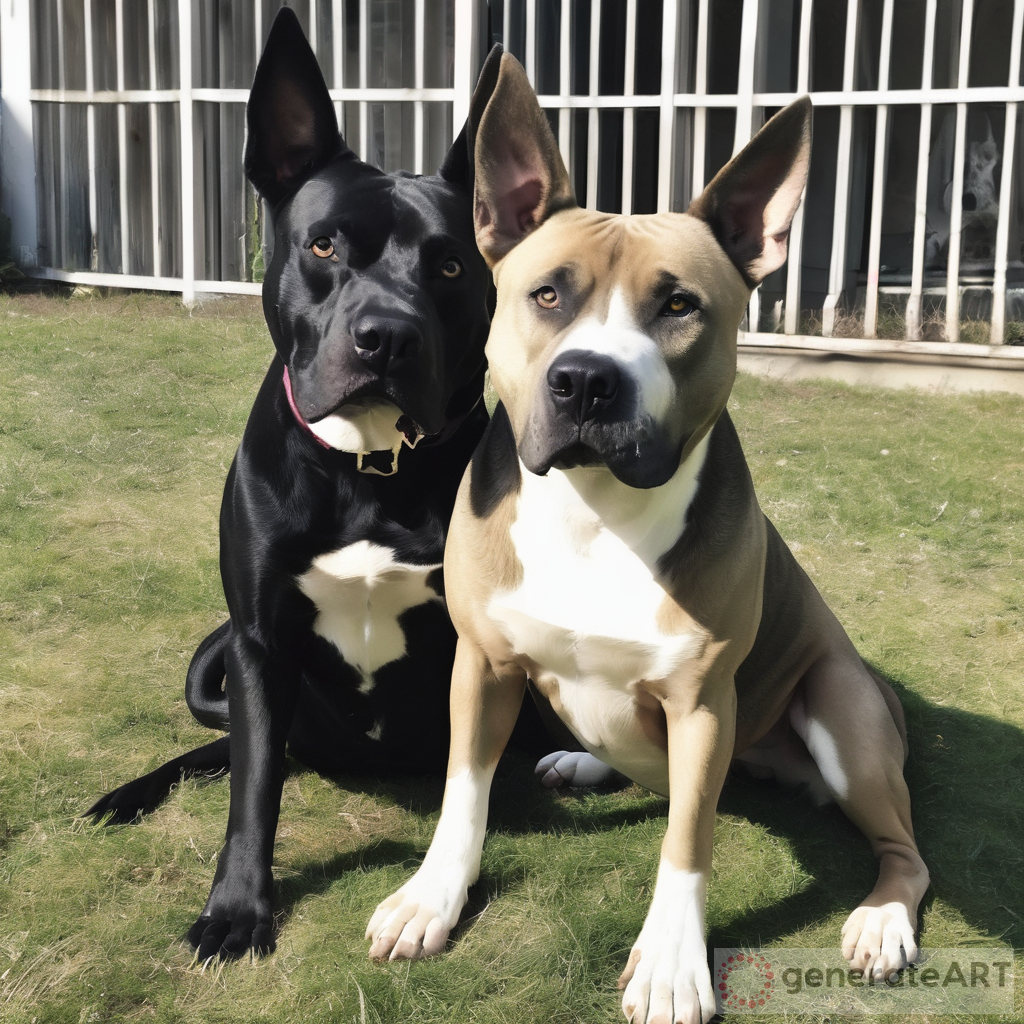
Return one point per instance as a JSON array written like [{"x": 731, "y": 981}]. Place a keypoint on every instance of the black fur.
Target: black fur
[{"x": 495, "y": 466}]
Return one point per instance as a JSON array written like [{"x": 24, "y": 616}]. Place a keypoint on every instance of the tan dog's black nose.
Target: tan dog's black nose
[
  {"x": 385, "y": 344},
  {"x": 583, "y": 384}
]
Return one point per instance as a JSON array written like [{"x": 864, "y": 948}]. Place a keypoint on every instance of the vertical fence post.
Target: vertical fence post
[
  {"x": 188, "y": 245},
  {"x": 17, "y": 152},
  {"x": 667, "y": 118},
  {"x": 997, "y": 328},
  {"x": 467, "y": 60}
]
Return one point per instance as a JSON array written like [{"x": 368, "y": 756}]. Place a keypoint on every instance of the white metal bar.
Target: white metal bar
[
  {"x": 666, "y": 120},
  {"x": 745, "y": 115},
  {"x": 17, "y": 153},
  {"x": 506, "y": 25},
  {"x": 364, "y": 61},
  {"x": 700, "y": 112},
  {"x": 188, "y": 247},
  {"x": 420, "y": 44},
  {"x": 338, "y": 49},
  {"x": 154, "y": 145},
  {"x": 314, "y": 34},
  {"x": 257, "y": 25},
  {"x": 628, "y": 116},
  {"x": 90, "y": 138},
  {"x": 531, "y": 42},
  {"x": 467, "y": 60},
  {"x": 745, "y": 81},
  {"x": 837, "y": 264},
  {"x": 860, "y": 98},
  {"x": 956, "y": 199},
  {"x": 593, "y": 120},
  {"x": 878, "y": 178},
  {"x": 998, "y": 325},
  {"x": 914, "y": 301},
  {"x": 791, "y": 321},
  {"x": 858, "y": 346},
  {"x": 144, "y": 281},
  {"x": 122, "y": 140},
  {"x": 564, "y": 84}
]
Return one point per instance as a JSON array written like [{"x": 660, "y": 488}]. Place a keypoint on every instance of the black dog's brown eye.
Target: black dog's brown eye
[
  {"x": 546, "y": 297},
  {"x": 322, "y": 247},
  {"x": 677, "y": 305},
  {"x": 451, "y": 268}
]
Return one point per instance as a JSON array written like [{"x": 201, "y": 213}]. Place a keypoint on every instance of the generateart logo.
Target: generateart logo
[{"x": 942, "y": 981}]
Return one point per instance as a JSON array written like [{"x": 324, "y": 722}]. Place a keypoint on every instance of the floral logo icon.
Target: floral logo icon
[{"x": 744, "y": 981}]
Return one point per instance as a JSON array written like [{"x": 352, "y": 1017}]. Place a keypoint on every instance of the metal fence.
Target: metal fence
[{"x": 123, "y": 124}]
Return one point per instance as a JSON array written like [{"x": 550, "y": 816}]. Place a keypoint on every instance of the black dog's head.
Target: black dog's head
[{"x": 376, "y": 297}]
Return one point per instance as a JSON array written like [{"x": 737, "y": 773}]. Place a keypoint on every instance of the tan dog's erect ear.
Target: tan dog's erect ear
[
  {"x": 520, "y": 177},
  {"x": 751, "y": 202}
]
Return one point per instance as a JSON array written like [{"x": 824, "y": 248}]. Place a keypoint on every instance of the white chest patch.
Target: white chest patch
[
  {"x": 360, "y": 591},
  {"x": 586, "y": 610}
]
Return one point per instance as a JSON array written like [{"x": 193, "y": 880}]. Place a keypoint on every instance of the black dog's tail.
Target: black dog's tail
[
  {"x": 209, "y": 704},
  {"x": 127, "y": 802},
  {"x": 204, "y": 682}
]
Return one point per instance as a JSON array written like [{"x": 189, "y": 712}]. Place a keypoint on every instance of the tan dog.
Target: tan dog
[{"x": 607, "y": 544}]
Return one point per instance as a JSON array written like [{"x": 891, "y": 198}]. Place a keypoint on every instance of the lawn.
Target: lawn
[{"x": 119, "y": 419}]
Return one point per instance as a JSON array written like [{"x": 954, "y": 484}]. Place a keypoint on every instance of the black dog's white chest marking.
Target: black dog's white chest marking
[{"x": 360, "y": 591}]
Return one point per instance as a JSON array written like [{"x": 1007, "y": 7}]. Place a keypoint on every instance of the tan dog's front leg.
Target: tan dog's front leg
[
  {"x": 667, "y": 977},
  {"x": 416, "y": 920}
]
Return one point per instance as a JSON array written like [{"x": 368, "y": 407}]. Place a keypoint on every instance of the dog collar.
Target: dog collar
[
  {"x": 439, "y": 438},
  {"x": 298, "y": 415}
]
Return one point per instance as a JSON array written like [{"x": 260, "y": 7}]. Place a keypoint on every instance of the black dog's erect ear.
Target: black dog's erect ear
[
  {"x": 292, "y": 129},
  {"x": 751, "y": 202},
  {"x": 520, "y": 177},
  {"x": 457, "y": 166}
]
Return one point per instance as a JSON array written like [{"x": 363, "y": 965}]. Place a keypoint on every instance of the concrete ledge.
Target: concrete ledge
[{"x": 882, "y": 364}]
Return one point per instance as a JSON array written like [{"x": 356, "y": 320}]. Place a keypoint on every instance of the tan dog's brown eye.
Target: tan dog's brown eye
[
  {"x": 546, "y": 297},
  {"x": 677, "y": 305},
  {"x": 451, "y": 268},
  {"x": 322, "y": 247}
]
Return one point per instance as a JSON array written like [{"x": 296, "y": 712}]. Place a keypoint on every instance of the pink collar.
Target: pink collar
[{"x": 298, "y": 415}]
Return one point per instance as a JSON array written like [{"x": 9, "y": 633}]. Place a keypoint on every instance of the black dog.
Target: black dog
[{"x": 338, "y": 644}]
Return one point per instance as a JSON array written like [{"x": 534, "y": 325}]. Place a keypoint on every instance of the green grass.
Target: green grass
[{"x": 119, "y": 419}]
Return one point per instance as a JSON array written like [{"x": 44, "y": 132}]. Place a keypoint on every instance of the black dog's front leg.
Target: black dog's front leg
[{"x": 262, "y": 688}]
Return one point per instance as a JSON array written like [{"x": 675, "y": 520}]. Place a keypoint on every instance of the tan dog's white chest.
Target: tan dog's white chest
[{"x": 587, "y": 608}]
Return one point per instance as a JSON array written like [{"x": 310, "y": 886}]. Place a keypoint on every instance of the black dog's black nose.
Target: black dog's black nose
[
  {"x": 386, "y": 343},
  {"x": 583, "y": 384}
]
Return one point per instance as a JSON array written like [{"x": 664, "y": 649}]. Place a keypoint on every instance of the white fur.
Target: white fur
[
  {"x": 822, "y": 746},
  {"x": 451, "y": 865},
  {"x": 360, "y": 591},
  {"x": 586, "y": 608},
  {"x": 619, "y": 337},
  {"x": 365, "y": 426},
  {"x": 671, "y": 981}
]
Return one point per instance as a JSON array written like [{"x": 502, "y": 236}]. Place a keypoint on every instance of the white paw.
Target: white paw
[
  {"x": 415, "y": 921},
  {"x": 873, "y": 937},
  {"x": 667, "y": 983},
  {"x": 667, "y": 980},
  {"x": 573, "y": 768}
]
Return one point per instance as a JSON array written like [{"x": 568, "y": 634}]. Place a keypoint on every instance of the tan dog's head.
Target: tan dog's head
[{"x": 614, "y": 338}]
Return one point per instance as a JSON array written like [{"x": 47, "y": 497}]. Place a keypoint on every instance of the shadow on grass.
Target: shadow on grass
[{"x": 966, "y": 779}]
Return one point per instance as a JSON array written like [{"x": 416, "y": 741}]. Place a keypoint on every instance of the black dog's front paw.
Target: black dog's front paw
[{"x": 232, "y": 932}]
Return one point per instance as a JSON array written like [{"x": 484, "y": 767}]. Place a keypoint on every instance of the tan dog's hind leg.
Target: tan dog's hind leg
[
  {"x": 667, "y": 978},
  {"x": 843, "y": 717},
  {"x": 416, "y": 920}
]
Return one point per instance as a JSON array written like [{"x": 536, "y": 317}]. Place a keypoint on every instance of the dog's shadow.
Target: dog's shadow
[{"x": 966, "y": 778}]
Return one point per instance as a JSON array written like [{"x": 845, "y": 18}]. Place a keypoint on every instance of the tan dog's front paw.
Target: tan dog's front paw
[
  {"x": 667, "y": 985},
  {"x": 407, "y": 925},
  {"x": 873, "y": 937}
]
